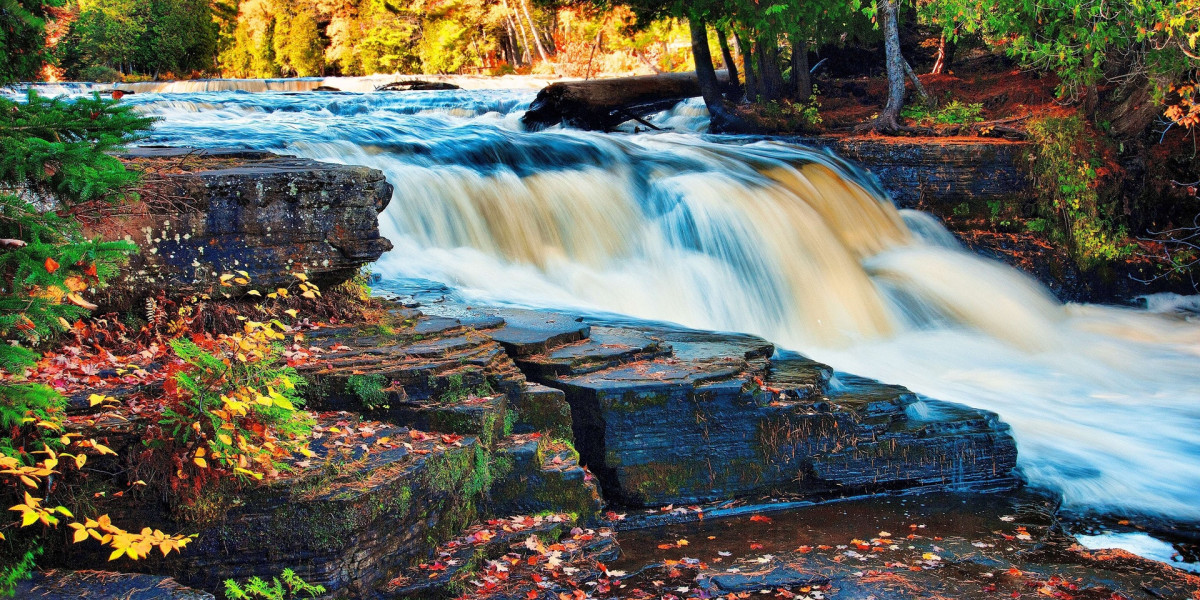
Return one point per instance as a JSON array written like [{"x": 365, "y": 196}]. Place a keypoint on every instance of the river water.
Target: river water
[{"x": 773, "y": 239}]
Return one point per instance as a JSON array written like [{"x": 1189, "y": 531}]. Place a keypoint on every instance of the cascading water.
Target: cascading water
[{"x": 766, "y": 238}]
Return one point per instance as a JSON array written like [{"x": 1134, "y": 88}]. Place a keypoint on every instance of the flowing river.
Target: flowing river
[{"x": 778, "y": 240}]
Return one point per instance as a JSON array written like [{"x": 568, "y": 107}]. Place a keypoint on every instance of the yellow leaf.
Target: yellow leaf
[
  {"x": 225, "y": 439},
  {"x": 78, "y": 300},
  {"x": 254, "y": 293},
  {"x": 30, "y": 518},
  {"x": 309, "y": 294},
  {"x": 102, "y": 449},
  {"x": 282, "y": 292},
  {"x": 80, "y": 535},
  {"x": 200, "y": 462},
  {"x": 75, "y": 283},
  {"x": 292, "y": 312},
  {"x": 226, "y": 277},
  {"x": 50, "y": 463},
  {"x": 80, "y": 459},
  {"x": 300, "y": 276},
  {"x": 116, "y": 553}
]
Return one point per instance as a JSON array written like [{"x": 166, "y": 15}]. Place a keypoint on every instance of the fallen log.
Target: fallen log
[{"x": 602, "y": 104}]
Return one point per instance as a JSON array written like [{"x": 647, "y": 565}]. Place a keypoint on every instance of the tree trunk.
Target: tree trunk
[
  {"x": 768, "y": 69},
  {"x": 537, "y": 41},
  {"x": 752, "y": 88},
  {"x": 926, "y": 99},
  {"x": 720, "y": 117},
  {"x": 602, "y": 104},
  {"x": 599, "y": 36},
  {"x": 889, "y": 119},
  {"x": 527, "y": 55},
  {"x": 801, "y": 81},
  {"x": 735, "y": 85},
  {"x": 940, "y": 64}
]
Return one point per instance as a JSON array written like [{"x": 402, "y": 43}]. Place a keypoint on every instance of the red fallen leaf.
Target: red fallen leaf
[
  {"x": 991, "y": 587},
  {"x": 804, "y": 549},
  {"x": 531, "y": 595},
  {"x": 90, "y": 270},
  {"x": 451, "y": 438},
  {"x": 756, "y": 546},
  {"x": 417, "y": 436},
  {"x": 118, "y": 94},
  {"x": 51, "y": 265},
  {"x": 761, "y": 518}
]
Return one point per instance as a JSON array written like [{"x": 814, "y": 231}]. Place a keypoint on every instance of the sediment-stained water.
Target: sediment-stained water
[{"x": 768, "y": 238}]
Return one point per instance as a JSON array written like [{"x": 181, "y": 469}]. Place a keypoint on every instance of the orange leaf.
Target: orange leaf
[{"x": 51, "y": 265}]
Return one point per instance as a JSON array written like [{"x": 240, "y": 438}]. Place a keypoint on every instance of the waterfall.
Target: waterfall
[{"x": 774, "y": 239}]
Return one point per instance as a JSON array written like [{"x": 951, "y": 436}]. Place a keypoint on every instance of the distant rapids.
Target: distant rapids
[{"x": 778, "y": 240}]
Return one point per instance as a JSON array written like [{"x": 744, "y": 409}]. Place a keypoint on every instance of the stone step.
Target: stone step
[
  {"x": 606, "y": 347},
  {"x": 528, "y": 332},
  {"x": 540, "y": 408},
  {"x": 543, "y": 474}
]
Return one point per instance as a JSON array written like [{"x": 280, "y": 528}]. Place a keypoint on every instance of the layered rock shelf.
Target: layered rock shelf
[
  {"x": 203, "y": 213},
  {"x": 450, "y": 420}
]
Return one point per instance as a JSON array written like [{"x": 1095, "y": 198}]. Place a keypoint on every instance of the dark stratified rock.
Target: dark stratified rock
[
  {"x": 208, "y": 212},
  {"x": 946, "y": 176},
  {"x": 541, "y": 475},
  {"x": 103, "y": 585},
  {"x": 668, "y": 416},
  {"x": 371, "y": 500}
]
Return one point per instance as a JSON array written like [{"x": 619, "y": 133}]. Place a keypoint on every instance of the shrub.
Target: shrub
[
  {"x": 256, "y": 588},
  {"x": 1066, "y": 168}
]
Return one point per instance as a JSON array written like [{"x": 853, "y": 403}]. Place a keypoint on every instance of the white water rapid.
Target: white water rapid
[{"x": 766, "y": 238}]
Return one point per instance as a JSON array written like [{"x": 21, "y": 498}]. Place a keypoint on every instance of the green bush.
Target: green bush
[
  {"x": 1065, "y": 166},
  {"x": 952, "y": 113},
  {"x": 54, "y": 163},
  {"x": 256, "y": 588}
]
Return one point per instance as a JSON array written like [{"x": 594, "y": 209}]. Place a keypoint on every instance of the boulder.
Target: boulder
[{"x": 203, "y": 213}]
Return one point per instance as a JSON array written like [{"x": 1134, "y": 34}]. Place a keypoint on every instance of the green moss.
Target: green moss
[
  {"x": 638, "y": 401},
  {"x": 656, "y": 480},
  {"x": 369, "y": 389}
]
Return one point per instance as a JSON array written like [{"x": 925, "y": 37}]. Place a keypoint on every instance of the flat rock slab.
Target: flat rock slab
[{"x": 104, "y": 585}]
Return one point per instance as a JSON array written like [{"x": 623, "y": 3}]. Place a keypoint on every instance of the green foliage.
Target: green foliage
[
  {"x": 23, "y": 38},
  {"x": 53, "y": 161},
  {"x": 951, "y": 113},
  {"x": 16, "y": 571},
  {"x": 155, "y": 37},
  {"x": 291, "y": 587},
  {"x": 368, "y": 389},
  {"x": 234, "y": 403},
  {"x": 1065, "y": 166}
]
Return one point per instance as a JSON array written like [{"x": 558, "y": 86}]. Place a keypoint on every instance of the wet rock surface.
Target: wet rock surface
[
  {"x": 669, "y": 416},
  {"x": 942, "y": 175},
  {"x": 208, "y": 212},
  {"x": 100, "y": 585},
  {"x": 428, "y": 423}
]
